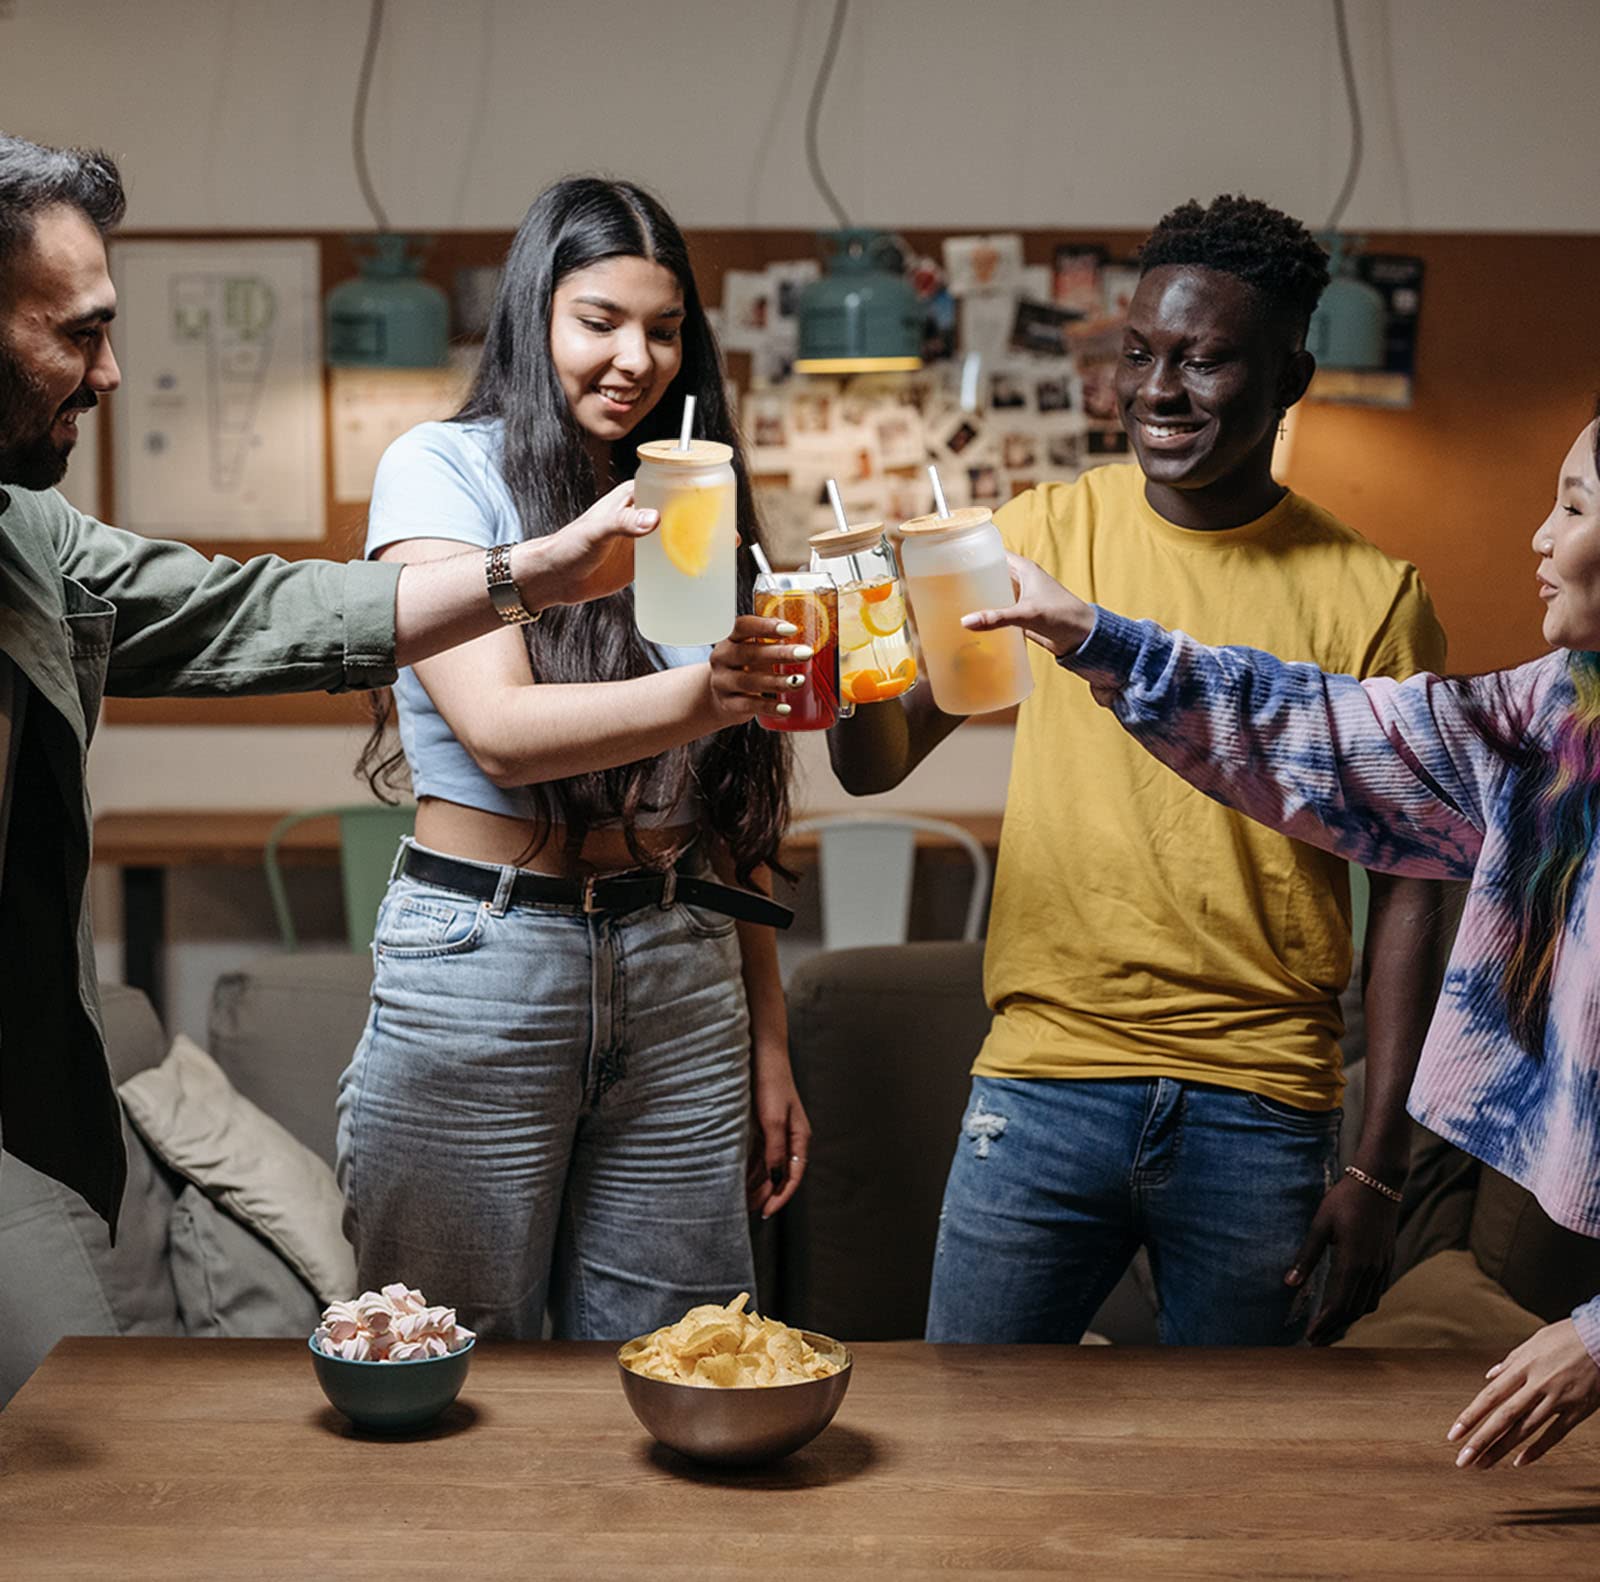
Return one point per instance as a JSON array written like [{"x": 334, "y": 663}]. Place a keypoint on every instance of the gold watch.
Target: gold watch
[{"x": 503, "y": 591}]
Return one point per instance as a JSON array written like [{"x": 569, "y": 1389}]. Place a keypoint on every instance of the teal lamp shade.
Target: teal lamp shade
[
  {"x": 861, "y": 316},
  {"x": 387, "y": 317},
  {"x": 1347, "y": 330}
]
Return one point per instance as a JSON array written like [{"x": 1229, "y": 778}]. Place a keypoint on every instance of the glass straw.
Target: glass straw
[
  {"x": 688, "y": 423},
  {"x": 938, "y": 491},
  {"x": 838, "y": 506}
]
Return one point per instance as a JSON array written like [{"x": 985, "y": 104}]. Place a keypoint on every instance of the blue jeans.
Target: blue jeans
[
  {"x": 549, "y": 1108},
  {"x": 1056, "y": 1184}
]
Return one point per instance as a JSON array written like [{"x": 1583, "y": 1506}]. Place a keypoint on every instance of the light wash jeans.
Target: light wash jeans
[
  {"x": 550, "y": 1108},
  {"x": 1056, "y": 1183}
]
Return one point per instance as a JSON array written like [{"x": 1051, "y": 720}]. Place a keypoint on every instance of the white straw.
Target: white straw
[
  {"x": 838, "y": 506},
  {"x": 688, "y": 423},
  {"x": 756, "y": 555},
  {"x": 938, "y": 492}
]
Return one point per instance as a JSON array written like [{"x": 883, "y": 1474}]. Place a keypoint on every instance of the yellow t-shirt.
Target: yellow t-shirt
[{"x": 1138, "y": 928}]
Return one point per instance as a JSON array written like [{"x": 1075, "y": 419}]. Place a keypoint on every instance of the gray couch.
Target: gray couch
[
  {"x": 882, "y": 1041},
  {"x": 282, "y": 1032}
]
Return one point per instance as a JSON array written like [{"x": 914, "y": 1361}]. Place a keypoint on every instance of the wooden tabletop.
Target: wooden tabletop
[
  {"x": 220, "y": 1459},
  {"x": 219, "y": 837}
]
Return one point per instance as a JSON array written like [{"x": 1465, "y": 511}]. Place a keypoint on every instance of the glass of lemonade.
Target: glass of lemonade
[
  {"x": 954, "y": 565},
  {"x": 810, "y": 601},
  {"x": 876, "y": 660},
  {"x": 684, "y": 589}
]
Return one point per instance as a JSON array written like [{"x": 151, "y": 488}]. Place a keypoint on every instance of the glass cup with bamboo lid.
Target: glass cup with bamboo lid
[
  {"x": 876, "y": 658},
  {"x": 954, "y": 564}
]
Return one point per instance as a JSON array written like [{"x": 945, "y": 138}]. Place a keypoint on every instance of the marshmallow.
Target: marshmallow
[{"x": 392, "y": 1325}]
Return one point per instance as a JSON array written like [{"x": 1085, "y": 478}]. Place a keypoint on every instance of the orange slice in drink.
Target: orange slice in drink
[
  {"x": 688, "y": 530},
  {"x": 899, "y": 679},
  {"x": 864, "y": 686},
  {"x": 877, "y": 592},
  {"x": 804, "y": 610},
  {"x": 885, "y": 615}
]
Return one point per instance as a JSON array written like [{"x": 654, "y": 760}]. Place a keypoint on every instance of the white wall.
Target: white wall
[{"x": 1481, "y": 115}]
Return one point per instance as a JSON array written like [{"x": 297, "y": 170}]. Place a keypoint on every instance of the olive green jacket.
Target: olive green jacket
[{"x": 88, "y": 611}]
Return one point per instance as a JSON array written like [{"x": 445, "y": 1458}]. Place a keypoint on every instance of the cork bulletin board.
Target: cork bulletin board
[{"x": 1508, "y": 360}]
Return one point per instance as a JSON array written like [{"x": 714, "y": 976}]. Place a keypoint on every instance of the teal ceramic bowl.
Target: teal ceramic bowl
[{"x": 390, "y": 1397}]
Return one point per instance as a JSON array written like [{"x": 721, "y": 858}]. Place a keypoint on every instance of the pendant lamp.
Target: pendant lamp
[
  {"x": 387, "y": 317},
  {"x": 862, "y": 316},
  {"x": 1348, "y": 328}
]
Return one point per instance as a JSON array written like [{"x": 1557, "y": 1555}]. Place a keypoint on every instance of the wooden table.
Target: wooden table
[{"x": 220, "y": 1459}]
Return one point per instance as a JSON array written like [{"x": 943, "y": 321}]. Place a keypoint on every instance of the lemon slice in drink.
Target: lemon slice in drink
[
  {"x": 884, "y": 617},
  {"x": 688, "y": 530},
  {"x": 853, "y": 633}
]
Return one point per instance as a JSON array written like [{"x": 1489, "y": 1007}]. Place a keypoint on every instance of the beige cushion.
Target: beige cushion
[
  {"x": 1447, "y": 1300},
  {"x": 190, "y": 1115}
]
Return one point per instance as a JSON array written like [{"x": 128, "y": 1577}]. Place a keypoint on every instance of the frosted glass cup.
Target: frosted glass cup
[
  {"x": 684, "y": 591},
  {"x": 954, "y": 565}
]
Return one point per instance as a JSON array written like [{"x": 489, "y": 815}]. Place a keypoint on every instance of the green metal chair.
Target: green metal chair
[{"x": 368, "y": 836}]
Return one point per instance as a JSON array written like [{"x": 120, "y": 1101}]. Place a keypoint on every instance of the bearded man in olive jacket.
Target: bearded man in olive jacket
[{"x": 87, "y": 610}]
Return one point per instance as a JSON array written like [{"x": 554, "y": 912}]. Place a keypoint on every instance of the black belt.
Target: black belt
[{"x": 617, "y": 892}]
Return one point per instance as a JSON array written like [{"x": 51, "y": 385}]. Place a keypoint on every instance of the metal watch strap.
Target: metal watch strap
[{"x": 503, "y": 591}]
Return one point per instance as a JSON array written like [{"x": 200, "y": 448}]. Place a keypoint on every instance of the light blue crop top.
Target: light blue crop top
[{"x": 443, "y": 480}]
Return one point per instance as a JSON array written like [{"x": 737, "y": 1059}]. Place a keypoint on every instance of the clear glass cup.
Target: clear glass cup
[
  {"x": 876, "y": 657},
  {"x": 810, "y": 601},
  {"x": 954, "y": 565},
  {"x": 684, "y": 574}
]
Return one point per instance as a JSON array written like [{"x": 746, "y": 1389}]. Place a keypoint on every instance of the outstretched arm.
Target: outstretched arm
[
  {"x": 1391, "y": 775},
  {"x": 443, "y": 602},
  {"x": 882, "y": 743}
]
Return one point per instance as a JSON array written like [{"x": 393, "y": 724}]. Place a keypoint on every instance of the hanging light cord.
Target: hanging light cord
[
  {"x": 814, "y": 112},
  {"x": 1347, "y": 65},
  {"x": 358, "y": 126}
]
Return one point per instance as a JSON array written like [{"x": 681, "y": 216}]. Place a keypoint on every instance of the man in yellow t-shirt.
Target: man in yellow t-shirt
[{"x": 1163, "y": 1066}]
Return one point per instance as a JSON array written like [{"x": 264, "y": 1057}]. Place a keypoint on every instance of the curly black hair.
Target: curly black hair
[{"x": 1262, "y": 246}]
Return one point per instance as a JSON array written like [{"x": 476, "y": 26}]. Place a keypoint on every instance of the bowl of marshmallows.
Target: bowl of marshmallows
[{"x": 388, "y": 1360}]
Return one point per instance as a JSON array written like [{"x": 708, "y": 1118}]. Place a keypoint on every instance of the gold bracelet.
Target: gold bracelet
[{"x": 1389, "y": 1192}]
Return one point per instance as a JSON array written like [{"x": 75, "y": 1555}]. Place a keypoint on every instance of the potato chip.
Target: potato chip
[{"x": 726, "y": 1348}]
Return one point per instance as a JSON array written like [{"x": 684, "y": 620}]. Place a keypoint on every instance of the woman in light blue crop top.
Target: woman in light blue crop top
[{"x": 551, "y": 1106}]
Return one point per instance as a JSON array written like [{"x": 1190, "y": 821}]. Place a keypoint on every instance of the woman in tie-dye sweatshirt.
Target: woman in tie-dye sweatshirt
[{"x": 1495, "y": 780}]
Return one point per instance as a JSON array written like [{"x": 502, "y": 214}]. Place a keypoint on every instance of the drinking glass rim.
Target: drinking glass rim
[{"x": 794, "y": 582}]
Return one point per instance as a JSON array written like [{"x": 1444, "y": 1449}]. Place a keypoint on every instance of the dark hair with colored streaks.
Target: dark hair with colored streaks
[
  {"x": 742, "y": 772},
  {"x": 1553, "y": 819}
]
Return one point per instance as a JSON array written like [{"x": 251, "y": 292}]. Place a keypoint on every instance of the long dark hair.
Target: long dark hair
[
  {"x": 1552, "y": 821},
  {"x": 742, "y": 774}
]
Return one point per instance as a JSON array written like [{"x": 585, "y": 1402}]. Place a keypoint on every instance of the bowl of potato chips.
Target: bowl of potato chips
[{"x": 728, "y": 1386}]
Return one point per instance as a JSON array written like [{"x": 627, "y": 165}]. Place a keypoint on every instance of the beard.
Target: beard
[{"x": 30, "y": 457}]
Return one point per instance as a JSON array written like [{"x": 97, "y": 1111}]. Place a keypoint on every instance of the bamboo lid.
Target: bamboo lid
[
  {"x": 967, "y": 516},
  {"x": 847, "y": 540},
  {"x": 701, "y": 453}
]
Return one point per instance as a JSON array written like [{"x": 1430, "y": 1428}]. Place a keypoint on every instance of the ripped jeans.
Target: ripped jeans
[
  {"x": 550, "y": 1107},
  {"x": 1057, "y": 1183}
]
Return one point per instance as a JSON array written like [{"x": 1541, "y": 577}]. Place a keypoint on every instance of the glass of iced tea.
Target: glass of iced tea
[{"x": 810, "y": 601}]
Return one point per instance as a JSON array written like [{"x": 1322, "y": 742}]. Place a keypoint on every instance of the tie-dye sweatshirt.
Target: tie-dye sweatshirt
[{"x": 1394, "y": 776}]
